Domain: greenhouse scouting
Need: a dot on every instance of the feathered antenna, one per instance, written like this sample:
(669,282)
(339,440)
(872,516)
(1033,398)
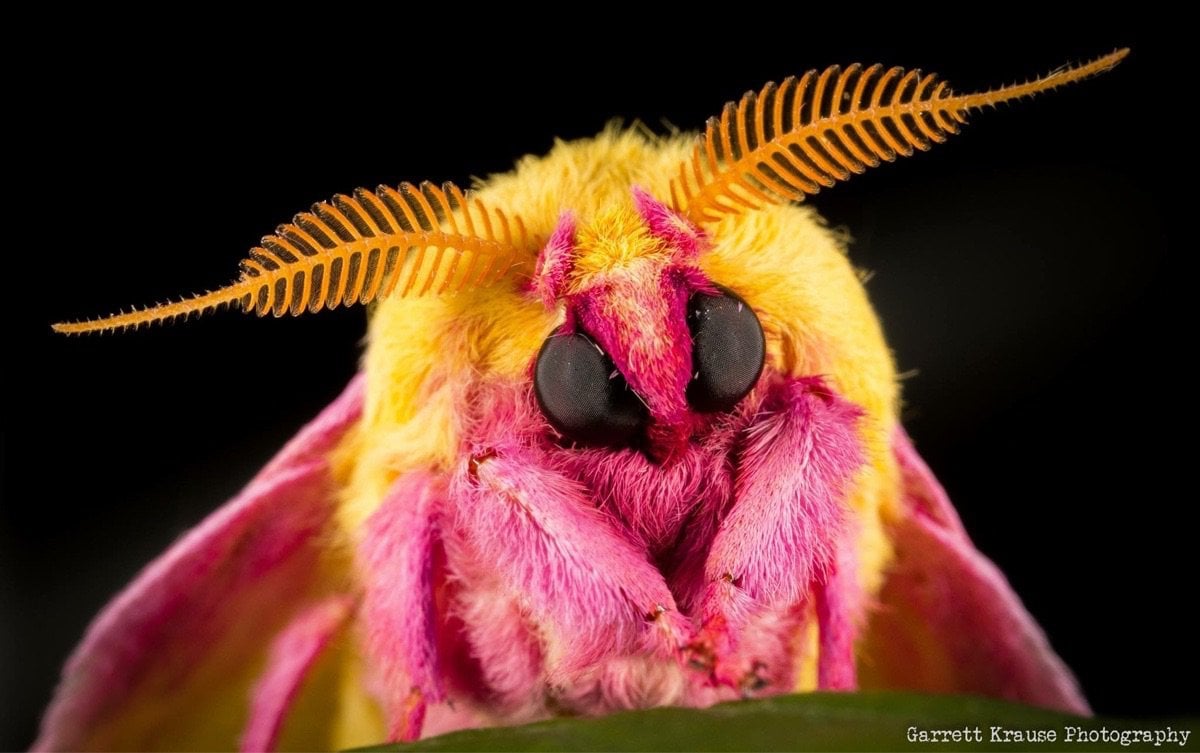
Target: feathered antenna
(358,249)
(785,142)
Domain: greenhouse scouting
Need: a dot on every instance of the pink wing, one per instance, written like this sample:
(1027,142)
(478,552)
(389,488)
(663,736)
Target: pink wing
(948,620)
(171,660)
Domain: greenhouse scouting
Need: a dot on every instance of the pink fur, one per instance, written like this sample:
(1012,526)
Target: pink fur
(654,501)
(501,638)
(639,319)
(778,540)
(571,532)
(247,563)
(780,535)
(290,659)
(687,239)
(556,260)
(583,582)
(637,313)
(839,602)
(951,620)
(398,607)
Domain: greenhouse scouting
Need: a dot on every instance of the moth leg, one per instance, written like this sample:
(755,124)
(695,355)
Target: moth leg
(779,543)
(593,593)
(396,560)
(839,603)
(501,639)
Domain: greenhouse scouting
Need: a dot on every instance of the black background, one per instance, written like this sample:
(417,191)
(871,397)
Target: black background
(1029,271)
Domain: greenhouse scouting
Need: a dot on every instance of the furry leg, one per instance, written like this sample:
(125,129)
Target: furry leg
(498,634)
(779,541)
(398,609)
(838,601)
(595,594)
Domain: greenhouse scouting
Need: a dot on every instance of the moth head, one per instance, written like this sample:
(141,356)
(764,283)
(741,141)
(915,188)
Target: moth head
(649,349)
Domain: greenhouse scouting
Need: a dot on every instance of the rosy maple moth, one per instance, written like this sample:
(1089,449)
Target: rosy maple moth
(625,435)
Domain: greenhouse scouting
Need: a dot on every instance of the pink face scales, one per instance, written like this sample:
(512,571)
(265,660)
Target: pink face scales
(668,348)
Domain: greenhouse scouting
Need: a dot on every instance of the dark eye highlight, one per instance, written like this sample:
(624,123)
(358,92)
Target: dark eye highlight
(582,394)
(728,349)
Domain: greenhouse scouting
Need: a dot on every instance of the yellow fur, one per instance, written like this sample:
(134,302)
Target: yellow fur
(783,260)
(617,237)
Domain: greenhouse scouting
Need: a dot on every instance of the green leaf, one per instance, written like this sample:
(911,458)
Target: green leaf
(817,721)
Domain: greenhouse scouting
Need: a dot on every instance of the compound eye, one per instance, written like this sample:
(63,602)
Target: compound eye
(582,394)
(728,349)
